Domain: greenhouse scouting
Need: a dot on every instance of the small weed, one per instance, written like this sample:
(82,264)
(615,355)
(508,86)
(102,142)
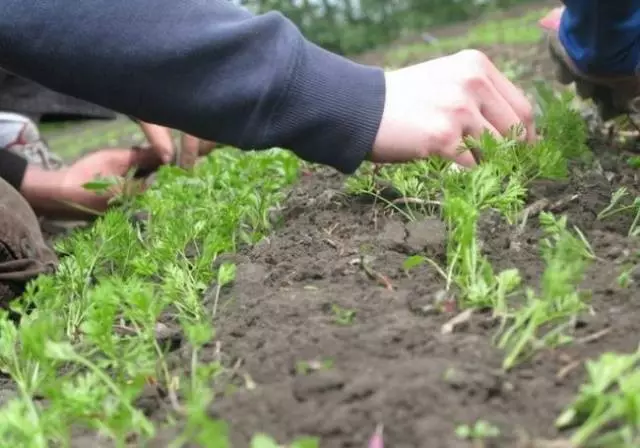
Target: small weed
(606,409)
(624,280)
(480,430)
(559,301)
(264,441)
(634,162)
(413,262)
(616,207)
(343,316)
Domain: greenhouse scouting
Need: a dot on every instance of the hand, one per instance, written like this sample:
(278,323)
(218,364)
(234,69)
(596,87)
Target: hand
(160,140)
(191,148)
(60,194)
(431,107)
(104,163)
(161,143)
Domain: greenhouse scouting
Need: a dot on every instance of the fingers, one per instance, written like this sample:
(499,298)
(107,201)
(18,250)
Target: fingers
(500,114)
(160,139)
(492,104)
(430,108)
(454,146)
(476,127)
(190,143)
(507,105)
(206,147)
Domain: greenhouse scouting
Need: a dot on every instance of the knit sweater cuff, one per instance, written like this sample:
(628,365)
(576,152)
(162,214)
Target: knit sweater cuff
(331,110)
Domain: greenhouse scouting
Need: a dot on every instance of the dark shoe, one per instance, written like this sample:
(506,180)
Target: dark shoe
(24,254)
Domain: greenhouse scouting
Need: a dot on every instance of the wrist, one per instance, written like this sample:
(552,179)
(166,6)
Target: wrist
(331,110)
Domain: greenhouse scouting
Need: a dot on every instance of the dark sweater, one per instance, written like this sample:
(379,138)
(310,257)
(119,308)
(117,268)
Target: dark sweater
(205,67)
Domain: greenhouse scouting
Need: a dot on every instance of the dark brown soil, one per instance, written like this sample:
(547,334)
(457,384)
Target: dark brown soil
(391,364)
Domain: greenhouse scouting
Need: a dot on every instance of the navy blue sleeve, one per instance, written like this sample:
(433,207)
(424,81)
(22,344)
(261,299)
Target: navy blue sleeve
(206,67)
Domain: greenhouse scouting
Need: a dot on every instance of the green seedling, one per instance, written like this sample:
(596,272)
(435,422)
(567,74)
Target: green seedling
(634,162)
(606,409)
(624,280)
(363,183)
(413,262)
(480,430)
(405,191)
(498,184)
(563,129)
(343,316)
(465,200)
(265,441)
(547,316)
(615,207)
(226,275)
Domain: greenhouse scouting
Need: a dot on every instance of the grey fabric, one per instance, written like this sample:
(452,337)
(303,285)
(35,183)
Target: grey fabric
(20,135)
(26,97)
(15,127)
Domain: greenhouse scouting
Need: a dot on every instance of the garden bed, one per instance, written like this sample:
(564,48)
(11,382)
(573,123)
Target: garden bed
(444,308)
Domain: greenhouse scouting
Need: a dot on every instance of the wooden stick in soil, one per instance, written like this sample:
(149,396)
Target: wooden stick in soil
(539,206)
(595,336)
(416,201)
(566,370)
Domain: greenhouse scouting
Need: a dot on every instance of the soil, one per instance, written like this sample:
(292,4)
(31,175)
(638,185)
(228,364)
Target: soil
(390,361)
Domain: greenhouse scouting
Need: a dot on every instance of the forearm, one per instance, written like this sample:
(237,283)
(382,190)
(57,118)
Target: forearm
(39,187)
(207,68)
(602,37)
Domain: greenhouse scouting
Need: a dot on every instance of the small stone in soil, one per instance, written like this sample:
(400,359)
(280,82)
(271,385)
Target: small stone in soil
(429,234)
(392,235)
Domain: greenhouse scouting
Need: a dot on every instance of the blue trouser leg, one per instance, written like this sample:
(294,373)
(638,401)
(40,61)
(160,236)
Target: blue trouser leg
(602,38)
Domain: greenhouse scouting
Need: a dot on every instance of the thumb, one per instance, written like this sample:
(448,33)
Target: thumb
(551,21)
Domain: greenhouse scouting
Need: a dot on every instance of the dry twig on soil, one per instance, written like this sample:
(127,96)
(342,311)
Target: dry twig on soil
(373,275)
